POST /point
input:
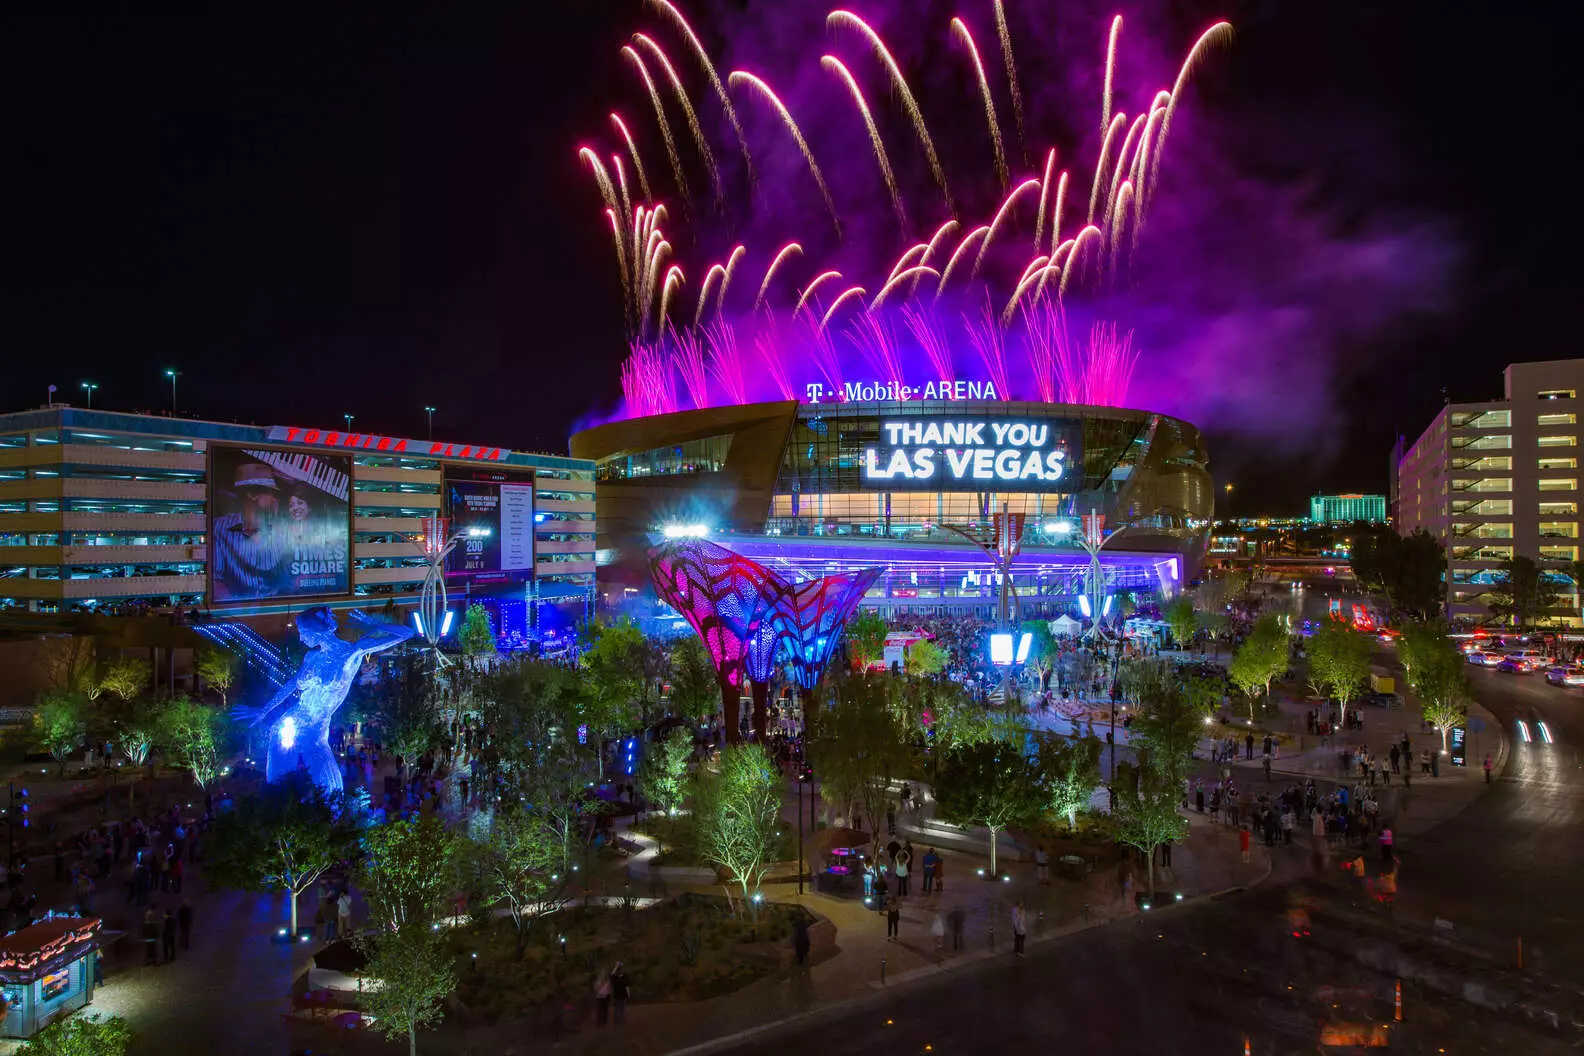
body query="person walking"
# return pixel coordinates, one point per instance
(956, 919)
(1248, 743)
(1243, 843)
(1019, 927)
(940, 873)
(1041, 866)
(931, 860)
(901, 869)
(1487, 768)
(151, 935)
(621, 990)
(168, 935)
(938, 930)
(602, 999)
(344, 914)
(893, 919)
(1396, 757)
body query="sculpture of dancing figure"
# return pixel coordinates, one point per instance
(299, 730)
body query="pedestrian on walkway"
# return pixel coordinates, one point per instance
(1019, 927)
(893, 918)
(1487, 768)
(621, 990)
(938, 930)
(1243, 843)
(168, 934)
(344, 914)
(931, 860)
(602, 999)
(1248, 743)
(151, 935)
(940, 873)
(1396, 756)
(956, 918)
(901, 869)
(1041, 866)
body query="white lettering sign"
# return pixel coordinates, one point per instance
(968, 454)
(890, 391)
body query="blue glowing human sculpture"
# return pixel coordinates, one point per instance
(299, 714)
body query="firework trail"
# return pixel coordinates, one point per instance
(1105, 152)
(1089, 235)
(989, 340)
(948, 228)
(926, 330)
(670, 11)
(786, 251)
(915, 273)
(913, 256)
(715, 271)
(831, 62)
(687, 108)
(1128, 145)
(742, 77)
(632, 150)
(767, 343)
(822, 350)
(1124, 196)
(688, 355)
(1039, 221)
(1041, 342)
(877, 343)
(725, 361)
(1056, 212)
(731, 269)
(602, 177)
(960, 30)
(1035, 272)
(621, 261)
(621, 184)
(995, 225)
(1220, 33)
(1109, 364)
(808, 291)
(673, 280)
(850, 292)
(1011, 74)
(968, 239)
(899, 84)
(1110, 73)
(660, 119)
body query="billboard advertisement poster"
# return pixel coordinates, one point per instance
(494, 516)
(975, 453)
(280, 524)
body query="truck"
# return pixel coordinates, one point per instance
(1382, 683)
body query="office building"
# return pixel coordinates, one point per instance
(1500, 478)
(1346, 509)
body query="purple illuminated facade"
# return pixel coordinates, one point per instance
(753, 620)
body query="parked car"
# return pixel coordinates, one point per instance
(1565, 675)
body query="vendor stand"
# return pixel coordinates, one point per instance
(46, 971)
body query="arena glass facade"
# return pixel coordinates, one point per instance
(816, 489)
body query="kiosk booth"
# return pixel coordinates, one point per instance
(46, 971)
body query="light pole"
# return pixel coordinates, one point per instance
(429, 411)
(89, 388)
(348, 418)
(1229, 503)
(432, 598)
(173, 375)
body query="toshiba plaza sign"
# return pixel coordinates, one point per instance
(975, 454)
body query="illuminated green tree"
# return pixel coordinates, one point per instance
(695, 690)
(218, 669)
(81, 1035)
(991, 784)
(520, 864)
(1182, 619)
(477, 636)
(925, 658)
(416, 974)
(866, 635)
(60, 722)
(1260, 659)
(1145, 811)
(737, 816)
(1339, 658)
(663, 777)
(407, 869)
(126, 677)
(1070, 773)
(193, 733)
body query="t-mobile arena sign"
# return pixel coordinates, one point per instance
(975, 454)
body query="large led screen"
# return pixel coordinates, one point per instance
(974, 453)
(493, 517)
(279, 524)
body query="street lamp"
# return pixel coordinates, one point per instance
(89, 388)
(430, 412)
(348, 418)
(173, 375)
(1229, 500)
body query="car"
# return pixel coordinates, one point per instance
(1512, 665)
(1565, 675)
(1484, 659)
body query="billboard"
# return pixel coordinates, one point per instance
(975, 453)
(279, 524)
(494, 515)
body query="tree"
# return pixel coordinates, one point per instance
(866, 635)
(135, 730)
(283, 838)
(1182, 620)
(193, 732)
(1042, 653)
(1407, 569)
(1438, 675)
(662, 779)
(694, 688)
(1260, 659)
(416, 974)
(623, 667)
(1339, 658)
(857, 746)
(737, 815)
(1146, 809)
(991, 784)
(60, 722)
(407, 870)
(477, 636)
(83, 1035)
(218, 668)
(520, 864)
(405, 706)
(127, 677)
(1070, 769)
(1168, 726)
(1522, 590)
(925, 658)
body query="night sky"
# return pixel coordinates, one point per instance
(317, 212)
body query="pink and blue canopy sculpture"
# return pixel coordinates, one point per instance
(751, 619)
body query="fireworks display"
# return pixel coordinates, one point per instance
(995, 277)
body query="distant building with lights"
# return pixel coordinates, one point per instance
(1497, 479)
(1346, 509)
